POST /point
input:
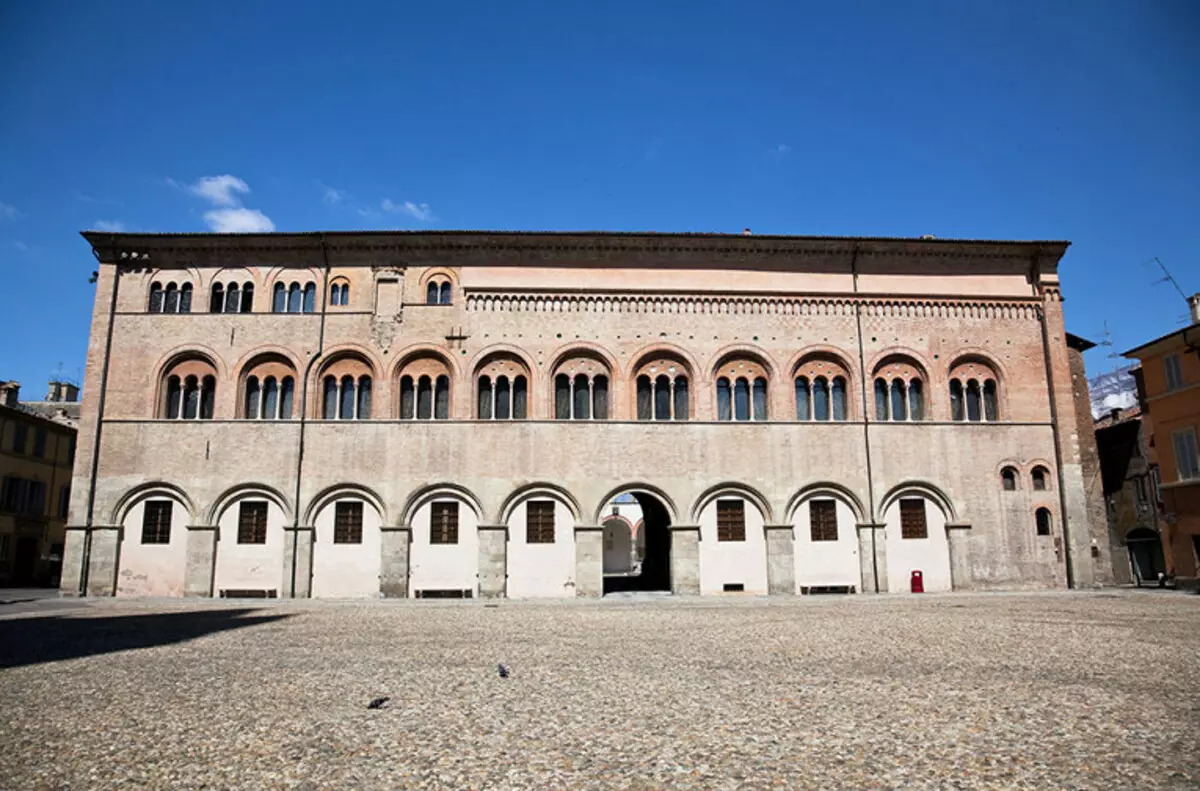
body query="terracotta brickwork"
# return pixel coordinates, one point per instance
(594, 311)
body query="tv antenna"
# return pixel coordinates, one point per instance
(1168, 278)
(1112, 355)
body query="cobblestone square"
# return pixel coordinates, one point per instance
(1048, 690)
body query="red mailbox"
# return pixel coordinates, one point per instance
(917, 581)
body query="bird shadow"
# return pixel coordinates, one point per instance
(53, 638)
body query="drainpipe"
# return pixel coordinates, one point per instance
(304, 411)
(862, 378)
(85, 572)
(1058, 457)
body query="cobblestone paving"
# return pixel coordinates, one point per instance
(1056, 690)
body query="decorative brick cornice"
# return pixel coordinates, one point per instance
(532, 301)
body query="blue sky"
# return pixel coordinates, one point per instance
(1076, 121)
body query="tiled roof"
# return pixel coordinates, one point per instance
(1117, 416)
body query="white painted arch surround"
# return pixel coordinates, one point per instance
(346, 571)
(826, 563)
(931, 555)
(153, 569)
(736, 562)
(444, 566)
(541, 570)
(249, 566)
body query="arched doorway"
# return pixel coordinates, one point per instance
(1146, 556)
(650, 549)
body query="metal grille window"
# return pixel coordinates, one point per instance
(443, 523)
(539, 522)
(252, 523)
(347, 523)
(156, 522)
(731, 520)
(912, 518)
(823, 520)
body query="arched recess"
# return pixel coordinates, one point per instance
(664, 384)
(432, 491)
(533, 490)
(188, 385)
(733, 547)
(824, 518)
(900, 387)
(823, 385)
(343, 386)
(916, 514)
(637, 488)
(975, 388)
(423, 384)
(443, 521)
(266, 386)
(582, 383)
(251, 521)
(541, 520)
(619, 544)
(347, 542)
(733, 488)
(147, 490)
(502, 384)
(744, 384)
(340, 491)
(153, 554)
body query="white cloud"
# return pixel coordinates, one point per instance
(783, 148)
(238, 220)
(420, 211)
(113, 226)
(21, 246)
(8, 212)
(332, 195)
(220, 189)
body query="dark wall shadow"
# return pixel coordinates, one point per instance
(31, 641)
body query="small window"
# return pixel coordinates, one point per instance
(443, 523)
(252, 523)
(444, 294)
(279, 302)
(64, 501)
(1039, 479)
(348, 523)
(912, 518)
(1008, 477)
(20, 436)
(539, 522)
(431, 293)
(823, 520)
(1043, 521)
(1186, 456)
(156, 298)
(731, 520)
(156, 522)
(39, 443)
(1173, 370)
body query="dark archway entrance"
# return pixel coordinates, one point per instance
(654, 544)
(1146, 556)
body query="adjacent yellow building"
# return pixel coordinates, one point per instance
(1171, 393)
(37, 452)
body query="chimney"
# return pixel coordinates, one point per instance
(745, 232)
(10, 392)
(1194, 304)
(62, 391)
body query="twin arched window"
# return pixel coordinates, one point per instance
(270, 399)
(424, 397)
(583, 396)
(741, 398)
(339, 294)
(973, 403)
(294, 298)
(231, 298)
(899, 400)
(820, 399)
(437, 292)
(346, 397)
(171, 299)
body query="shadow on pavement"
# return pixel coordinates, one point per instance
(31, 641)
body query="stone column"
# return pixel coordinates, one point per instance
(872, 557)
(781, 560)
(493, 561)
(105, 557)
(685, 559)
(393, 563)
(200, 560)
(300, 541)
(958, 536)
(589, 561)
(72, 570)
